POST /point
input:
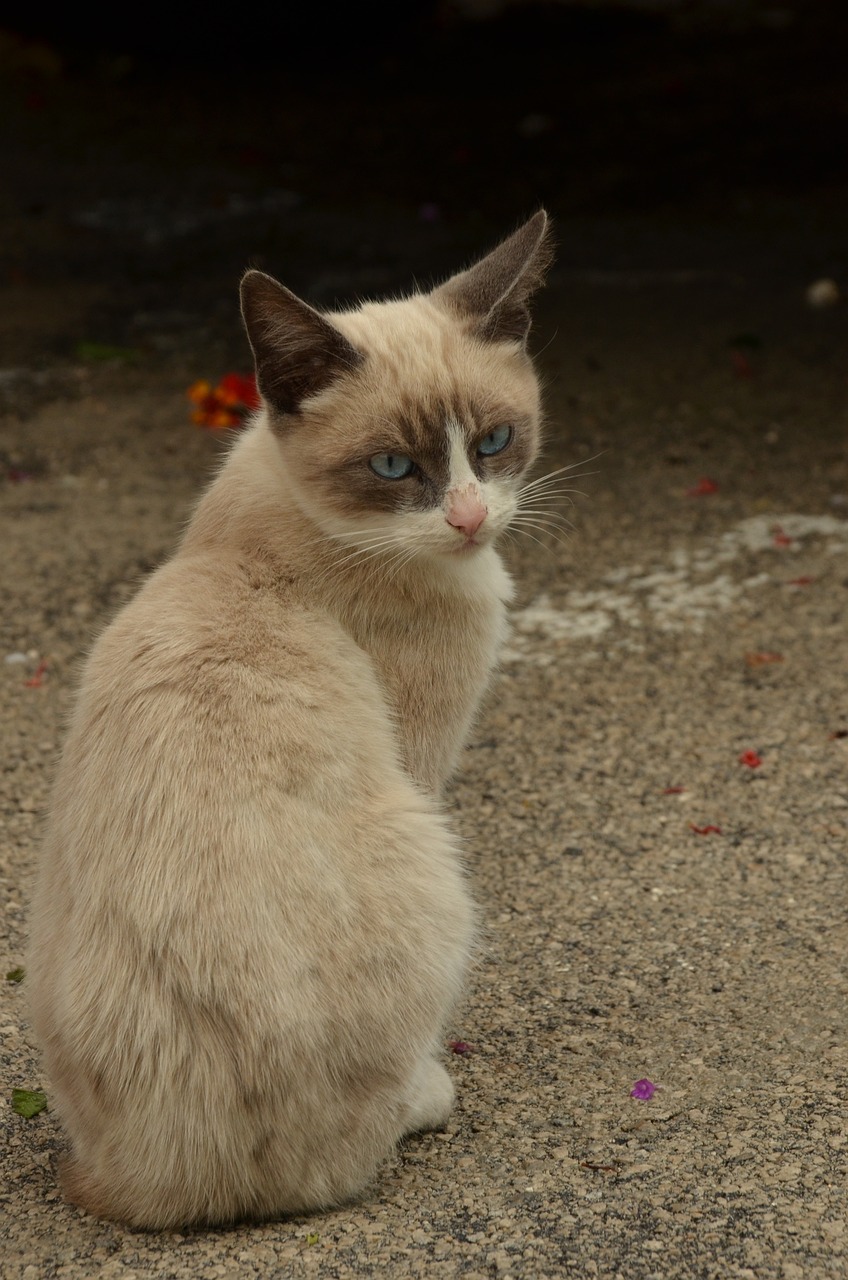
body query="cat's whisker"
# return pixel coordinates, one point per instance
(551, 339)
(368, 549)
(546, 513)
(572, 466)
(542, 515)
(403, 559)
(367, 558)
(554, 492)
(381, 557)
(546, 506)
(360, 537)
(560, 497)
(372, 561)
(550, 519)
(385, 566)
(363, 543)
(563, 473)
(533, 538)
(569, 472)
(360, 555)
(556, 535)
(554, 486)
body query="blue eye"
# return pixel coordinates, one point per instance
(495, 441)
(391, 466)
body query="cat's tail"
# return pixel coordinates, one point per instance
(156, 1211)
(84, 1190)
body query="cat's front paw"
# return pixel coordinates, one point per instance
(430, 1097)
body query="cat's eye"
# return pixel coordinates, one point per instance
(495, 441)
(391, 466)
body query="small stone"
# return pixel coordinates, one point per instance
(823, 293)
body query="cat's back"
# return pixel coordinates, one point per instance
(219, 677)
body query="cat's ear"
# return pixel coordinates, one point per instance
(494, 294)
(297, 351)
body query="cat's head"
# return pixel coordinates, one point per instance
(406, 426)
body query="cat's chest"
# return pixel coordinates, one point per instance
(434, 653)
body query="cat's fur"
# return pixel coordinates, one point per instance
(251, 923)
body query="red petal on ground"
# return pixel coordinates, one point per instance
(36, 680)
(751, 759)
(758, 659)
(703, 488)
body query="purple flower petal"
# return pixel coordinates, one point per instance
(644, 1090)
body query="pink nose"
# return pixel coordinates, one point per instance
(466, 513)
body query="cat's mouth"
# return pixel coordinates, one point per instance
(467, 546)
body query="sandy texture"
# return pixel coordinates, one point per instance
(626, 937)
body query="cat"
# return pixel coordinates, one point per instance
(251, 923)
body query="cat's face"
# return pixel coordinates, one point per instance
(406, 426)
(420, 450)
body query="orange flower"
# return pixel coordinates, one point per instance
(226, 405)
(199, 391)
(235, 389)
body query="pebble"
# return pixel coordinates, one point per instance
(822, 294)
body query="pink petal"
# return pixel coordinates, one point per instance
(643, 1090)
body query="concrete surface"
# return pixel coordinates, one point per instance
(680, 626)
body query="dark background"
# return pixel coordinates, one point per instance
(148, 155)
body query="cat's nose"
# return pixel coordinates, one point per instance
(465, 512)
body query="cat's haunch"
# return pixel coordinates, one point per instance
(251, 922)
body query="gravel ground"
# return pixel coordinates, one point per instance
(654, 805)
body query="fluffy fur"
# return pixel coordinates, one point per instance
(251, 922)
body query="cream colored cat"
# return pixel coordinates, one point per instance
(251, 922)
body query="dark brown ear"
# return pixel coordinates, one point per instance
(495, 292)
(297, 351)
